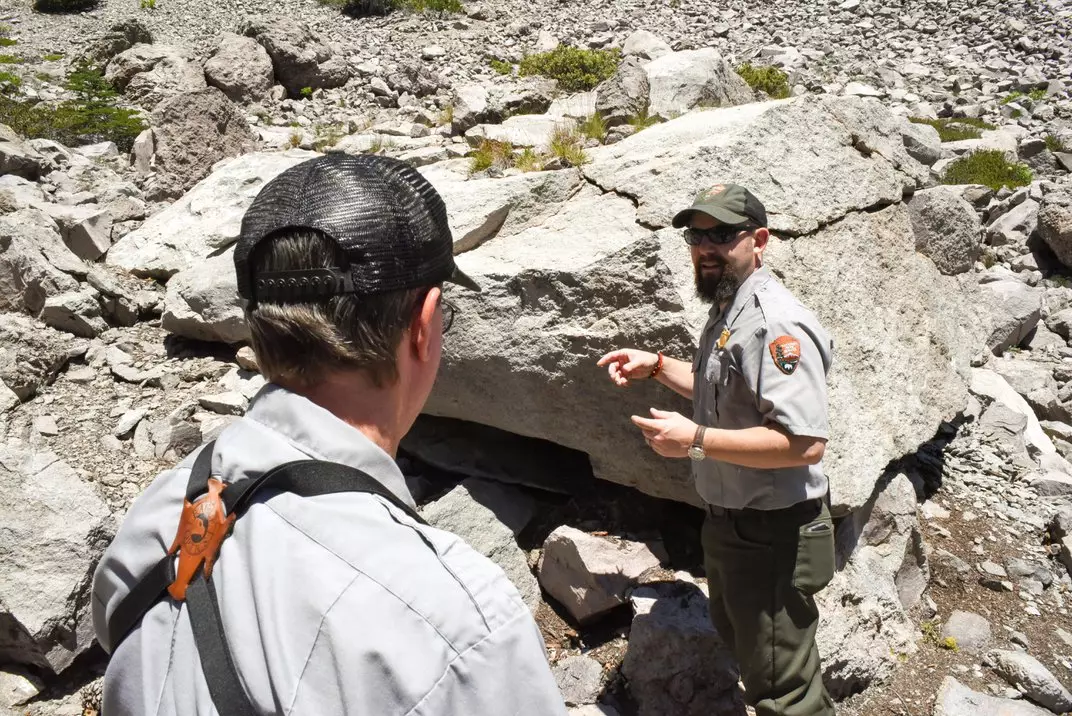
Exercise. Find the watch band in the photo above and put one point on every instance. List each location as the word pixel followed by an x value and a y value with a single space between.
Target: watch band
pixel 697 441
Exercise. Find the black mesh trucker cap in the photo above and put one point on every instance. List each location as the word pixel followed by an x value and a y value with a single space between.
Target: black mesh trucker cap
pixel 387 218
pixel 730 204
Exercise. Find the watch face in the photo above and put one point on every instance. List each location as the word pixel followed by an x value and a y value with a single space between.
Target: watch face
pixel 696 453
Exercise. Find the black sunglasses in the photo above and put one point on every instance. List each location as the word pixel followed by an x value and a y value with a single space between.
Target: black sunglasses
pixel 718 235
pixel 449 309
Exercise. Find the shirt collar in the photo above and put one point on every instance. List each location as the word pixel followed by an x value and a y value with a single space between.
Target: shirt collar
pixel 318 433
pixel 744 294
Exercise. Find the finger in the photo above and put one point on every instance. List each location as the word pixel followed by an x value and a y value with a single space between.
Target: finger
pixel 662 414
pixel 616 356
pixel 655 426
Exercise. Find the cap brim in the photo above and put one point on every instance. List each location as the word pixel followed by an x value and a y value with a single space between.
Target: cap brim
pixel 718 213
pixel 459 278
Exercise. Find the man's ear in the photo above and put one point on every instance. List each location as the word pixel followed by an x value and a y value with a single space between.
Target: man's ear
pixel 760 237
pixel 424 325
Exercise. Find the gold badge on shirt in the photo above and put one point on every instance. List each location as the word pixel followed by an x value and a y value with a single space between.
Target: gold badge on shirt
pixel 722 339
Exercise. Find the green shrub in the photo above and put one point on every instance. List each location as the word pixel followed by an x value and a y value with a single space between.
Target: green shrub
pixel 370 8
pixel 765 78
pixel 53 57
pixel 9 82
pixel 148 4
pixel 594 128
pixel 1055 145
pixel 1034 95
pixel 575 69
pixel 501 66
pixel 306 92
pixel 566 144
pixel 62 6
pixel 92 117
pixel 491 153
pixel 990 168
pixel 956 129
pixel 10 60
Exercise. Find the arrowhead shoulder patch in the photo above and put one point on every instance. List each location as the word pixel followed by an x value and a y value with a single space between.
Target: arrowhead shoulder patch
pixel 785 352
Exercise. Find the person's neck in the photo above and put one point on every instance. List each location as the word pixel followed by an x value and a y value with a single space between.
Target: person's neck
pixel 377 412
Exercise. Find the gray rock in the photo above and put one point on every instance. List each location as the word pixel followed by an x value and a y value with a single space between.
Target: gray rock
pixel 677 665
pixel 971 631
pixel 1015 226
pixel 947 228
pixel 229 403
pixel 148 74
pixel 30 248
pixel 526 130
pixel 300 56
pixel 86 229
pixel 579 678
pixel 56 528
pixel 1052 483
pixel 18 158
pixel 1055 225
pixel 204 220
pixel 488 517
pixel 646 45
pixel 241 68
pixel 922 143
pixel 1009 311
pixel 192 132
pixel 202 302
pixel 681 81
pixel 1034 680
pixel 625 94
pixel 118 38
pixel 955 699
pixel 32 354
pixel 77 312
pixel 129 421
pixel 991 385
pixel 591 575
pixel 18 687
pixel 470 107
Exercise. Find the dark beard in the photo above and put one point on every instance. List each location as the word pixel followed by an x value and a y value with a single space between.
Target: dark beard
pixel 719 289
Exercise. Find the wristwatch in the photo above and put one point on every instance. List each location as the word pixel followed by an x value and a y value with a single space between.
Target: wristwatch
pixel 696 450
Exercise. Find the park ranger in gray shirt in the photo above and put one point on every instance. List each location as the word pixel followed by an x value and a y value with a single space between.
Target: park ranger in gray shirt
pixel 756 441
pixel 338 603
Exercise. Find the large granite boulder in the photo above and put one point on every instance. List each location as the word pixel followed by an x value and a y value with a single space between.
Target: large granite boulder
pixel 681 81
pixel 241 68
pixel 148 74
pixel 301 58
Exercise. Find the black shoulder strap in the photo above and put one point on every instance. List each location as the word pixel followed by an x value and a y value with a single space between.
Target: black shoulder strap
pixel 306 478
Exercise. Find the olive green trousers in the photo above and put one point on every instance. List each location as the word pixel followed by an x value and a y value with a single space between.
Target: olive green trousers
pixel 763 569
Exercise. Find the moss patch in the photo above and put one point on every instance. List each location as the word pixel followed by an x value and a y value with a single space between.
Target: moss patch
pixel 989 168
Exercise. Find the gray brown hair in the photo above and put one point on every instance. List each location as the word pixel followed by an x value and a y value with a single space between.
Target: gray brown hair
pixel 299 343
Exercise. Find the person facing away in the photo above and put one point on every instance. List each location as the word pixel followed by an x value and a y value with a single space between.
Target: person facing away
pixel 756 442
pixel 339 603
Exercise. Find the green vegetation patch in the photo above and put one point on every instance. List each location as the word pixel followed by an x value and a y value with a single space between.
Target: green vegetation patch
pixel 371 8
pixel 501 66
pixel 956 129
pixel 594 128
pixel 1034 95
pixel 1054 144
pixel 568 145
pixel 10 60
pixel 8 83
pixel 491 153
pixel 642 120
pixel 765 78
pixel 91 117
pixel 53 56
pixel 575 69
pixel 5 39
pixel 990 168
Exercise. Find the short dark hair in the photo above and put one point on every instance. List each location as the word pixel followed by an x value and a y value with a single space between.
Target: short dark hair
pixel 298 343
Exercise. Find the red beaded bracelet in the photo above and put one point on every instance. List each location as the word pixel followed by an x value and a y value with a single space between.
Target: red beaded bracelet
pixel 658 366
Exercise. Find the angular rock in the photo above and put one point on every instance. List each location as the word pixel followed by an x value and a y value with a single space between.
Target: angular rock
pixel 1055 225
pixel 591 575
pixel 470 107
pixel 946 228
pixel 300 57
pixel 681 81
pixel 1015 226
pixel 241 68
pixel 148 74
pixel 191 133
pixel 77 312
pixel 203 221
pixel 86 229
pixel 17 687
pixel 527 130
pixel 488 517
pixel 1009 311
pixel 56 527
pixel 30 249
pixel 987 383
pixel 646 45
pixel 202 302
pixel 1052 483
pixel 229 403
pixel 18 158
pixel 677 664
pixel 579 678
pixel 625 94
pixel 1030 677
pixel 119 38
pixel 922 142
pixel 129 421
pixel 32 354
pixel 863 624
pixel 971 631
pixel 955 699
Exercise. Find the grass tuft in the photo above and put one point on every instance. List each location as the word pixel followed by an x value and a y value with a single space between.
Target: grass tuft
pixel 989 168
pixel 491 153
pixel 501 66
pixel 529 161
pixel 764 78
pixel 1054 144
pixel 955 129
pixel 567 145
pixel 594 128
pixel 576 70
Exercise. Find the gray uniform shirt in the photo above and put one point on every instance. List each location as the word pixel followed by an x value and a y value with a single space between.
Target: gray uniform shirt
pixel 763 359
pixel 332 604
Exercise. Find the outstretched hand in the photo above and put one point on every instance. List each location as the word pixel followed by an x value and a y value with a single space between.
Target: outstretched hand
pixel 668 434
pixel 628 364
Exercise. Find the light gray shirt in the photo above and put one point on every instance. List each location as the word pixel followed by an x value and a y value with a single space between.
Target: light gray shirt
pixel 332 604
pixel 764 359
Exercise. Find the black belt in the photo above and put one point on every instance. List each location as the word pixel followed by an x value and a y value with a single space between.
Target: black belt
pixel 809 509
